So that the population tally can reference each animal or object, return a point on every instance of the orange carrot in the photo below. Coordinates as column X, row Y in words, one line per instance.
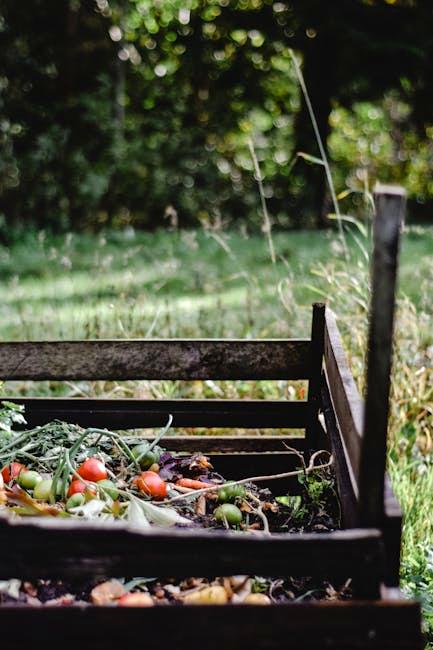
column 191, row 484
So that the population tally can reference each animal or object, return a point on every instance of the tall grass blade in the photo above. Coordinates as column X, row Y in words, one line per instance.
column 323, row 157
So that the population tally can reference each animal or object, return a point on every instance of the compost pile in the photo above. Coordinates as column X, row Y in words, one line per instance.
column 62, row 470
column 148, row 592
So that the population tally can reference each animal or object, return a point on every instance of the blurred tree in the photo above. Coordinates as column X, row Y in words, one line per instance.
column 122, row 111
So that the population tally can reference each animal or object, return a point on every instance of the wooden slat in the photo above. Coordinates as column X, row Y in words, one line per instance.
column 314, row 385
column 232, row 444
column 156, row 359
column 392, row 526
column 390, row 205
column 347, row 488
column 234, row 466
column 337, row 625
column 70, row 549
column 347, row 403
column 137, row 413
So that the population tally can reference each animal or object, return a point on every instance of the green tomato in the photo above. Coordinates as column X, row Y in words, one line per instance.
column 230, row 493
column 145, row 458
column 74, row 501
column 228, row 512
column 109, row 488
column 42, row 489
column 29, row 479
column 223, row 496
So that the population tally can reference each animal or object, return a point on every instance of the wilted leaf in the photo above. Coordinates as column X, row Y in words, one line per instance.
column 28, row 505
column 136, row 516
column 10, row 588
column 159, row 515
column 89, row 510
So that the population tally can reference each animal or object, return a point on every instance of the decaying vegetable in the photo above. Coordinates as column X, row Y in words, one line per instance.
column 214, row 595
column 149, row 592
column 192, row 484
column 257, row 599
column 228, row 513
column 75, row 500
column 79, row 487
column 28, row 479
column 93, row 470
column 107, row 592
column 136, row 599
column 151, row 483
column 145, row 457
column 64, row 460
column 230, row 493
column 108, row 487
column 12, row 471
column 42, row 489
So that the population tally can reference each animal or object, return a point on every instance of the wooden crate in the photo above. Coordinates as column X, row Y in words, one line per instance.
column 334, row 417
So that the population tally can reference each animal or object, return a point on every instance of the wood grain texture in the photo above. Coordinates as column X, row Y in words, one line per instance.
column 390, row 207
column 346, row 484
column 357, row 625
column 314, row 384
column 156, row 359
column 137, row 413
column 70, row 549
column 346, row 401
column 392, row 527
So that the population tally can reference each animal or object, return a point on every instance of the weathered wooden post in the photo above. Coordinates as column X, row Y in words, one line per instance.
column 390, row 207
column 315, row 375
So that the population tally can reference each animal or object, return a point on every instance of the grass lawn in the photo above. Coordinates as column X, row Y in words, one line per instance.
column 212, row 284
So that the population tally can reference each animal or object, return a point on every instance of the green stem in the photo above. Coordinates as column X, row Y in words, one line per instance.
column 154, row 442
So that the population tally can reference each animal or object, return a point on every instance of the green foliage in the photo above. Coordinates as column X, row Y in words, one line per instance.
column 138, row 111
column 372, row 141
column 10, row 415
column 317, row 488
column 298, row 512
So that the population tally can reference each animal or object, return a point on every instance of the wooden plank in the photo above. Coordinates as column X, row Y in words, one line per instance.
column 346, row 401
column 156, row 359
column 347, row 489
column 217, row 444
column 70, row 549
column 137, row 413
column 338, row 625
column 392, row 527
column 390, row 205
column 234, row 444
column 234, row 466
column 314, row 385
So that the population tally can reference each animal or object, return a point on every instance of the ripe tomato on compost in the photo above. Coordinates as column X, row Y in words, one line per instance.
column 12, row 471
column 79, row 487
column 93, row 470
column 152, row 484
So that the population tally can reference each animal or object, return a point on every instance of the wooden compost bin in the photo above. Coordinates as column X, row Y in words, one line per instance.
column 333, row 417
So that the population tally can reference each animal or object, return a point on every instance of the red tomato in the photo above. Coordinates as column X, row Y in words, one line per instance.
column 12, row 471
column 136, row 599
column 78, row 487
column 151, row 484
column 93, row 470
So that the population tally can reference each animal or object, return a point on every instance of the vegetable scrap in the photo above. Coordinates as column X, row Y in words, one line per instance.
column 63, row 470
column 150, row 592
